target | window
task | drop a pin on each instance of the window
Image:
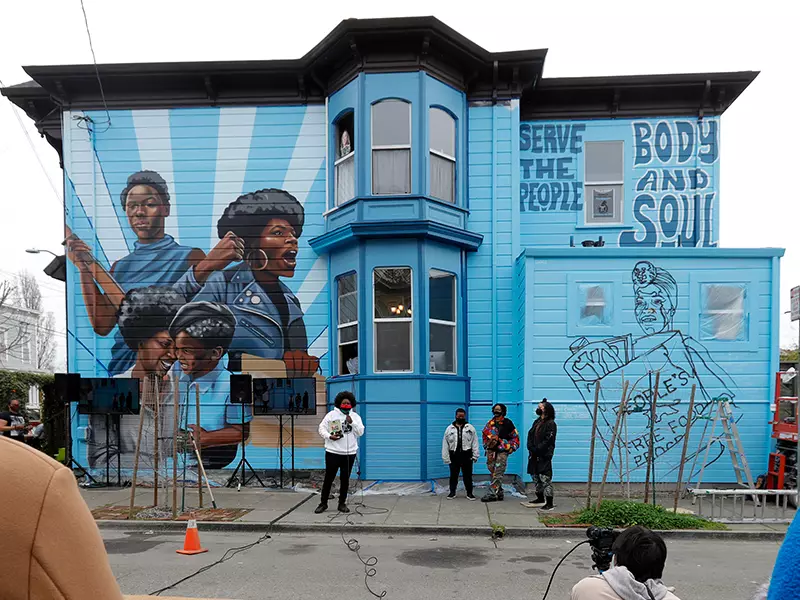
(3, 346)
(391, 147)
(723, 317)
(603, 183)
(26, 349)
(348, 324)
(595, 305)
(442, 293)
(345, 163)
(393, 319)
(442, 131)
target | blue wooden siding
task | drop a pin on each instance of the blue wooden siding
(742, 370)
(491, 323)
(671, 181)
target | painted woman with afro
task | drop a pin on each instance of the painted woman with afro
(264, 228)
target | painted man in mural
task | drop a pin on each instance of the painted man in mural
(157, 259)
(202, 332)
(144, 319)
(265, 225)
(681, 360)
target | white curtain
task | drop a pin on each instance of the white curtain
(443, 179)
(345, 180)
(391, 171)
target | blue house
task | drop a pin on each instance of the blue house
(455, 230)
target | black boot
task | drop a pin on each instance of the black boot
(343, 508)
(548, 506)
(321, 508)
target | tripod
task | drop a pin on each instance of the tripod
(69, 459)
(244, 464)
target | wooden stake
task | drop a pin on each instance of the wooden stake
(623, 405)
(156, 434)
(197, 446)
(136, 453)
(591, 445)
(175, 397)
(689, 415)
(651, 442)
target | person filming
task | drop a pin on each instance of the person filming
(639, 558)
(340, 429)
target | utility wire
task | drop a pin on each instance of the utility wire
(35, 152)
(96, 69)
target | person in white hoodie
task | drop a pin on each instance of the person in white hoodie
(460, 449)
(639, 559)
(340, 429)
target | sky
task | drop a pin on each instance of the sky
(758, 135)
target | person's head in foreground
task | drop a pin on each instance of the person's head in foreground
(639, 559)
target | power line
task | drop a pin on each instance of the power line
(96, 70)
(35, 151)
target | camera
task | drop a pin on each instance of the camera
(601, 540)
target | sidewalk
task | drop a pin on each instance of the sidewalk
(421, 514)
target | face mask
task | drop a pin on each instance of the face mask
(539, 412)
(461, 420)
(345, 409)
(497, 415)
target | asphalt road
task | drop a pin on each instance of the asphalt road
(317, 566)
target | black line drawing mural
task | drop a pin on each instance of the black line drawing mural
(682, 361)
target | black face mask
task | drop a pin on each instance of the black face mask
(461, 420)
(539, 412)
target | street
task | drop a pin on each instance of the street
(412, 567)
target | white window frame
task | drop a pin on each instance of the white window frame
(343, 159)
(453, 324)
(373, 147)
(588, 185)
(376, 320)
(445, 156)
(340, 326)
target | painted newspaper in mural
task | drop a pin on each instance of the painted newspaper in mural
(681, 360)
(187, 314)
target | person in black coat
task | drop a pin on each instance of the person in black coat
(541, 446)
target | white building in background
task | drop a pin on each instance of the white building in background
(18, 345)
(18, 341)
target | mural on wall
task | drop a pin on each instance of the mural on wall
(549, 156)
(190, 312)
(673, 198)
(669, 175)
(681, 360)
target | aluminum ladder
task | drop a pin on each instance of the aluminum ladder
(732, 440)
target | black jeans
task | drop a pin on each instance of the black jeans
(461, 462)
(343, 463)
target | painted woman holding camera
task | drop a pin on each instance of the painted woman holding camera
(541, 446)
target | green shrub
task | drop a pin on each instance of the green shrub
(614, 513)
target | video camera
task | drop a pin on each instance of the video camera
(601, 540)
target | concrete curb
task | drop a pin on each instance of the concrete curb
(336, 528)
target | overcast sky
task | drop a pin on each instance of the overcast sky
(759, 202)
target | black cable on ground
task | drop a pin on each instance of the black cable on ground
(547, 591)
(231, 552)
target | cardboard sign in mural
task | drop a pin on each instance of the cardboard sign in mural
(188, 238)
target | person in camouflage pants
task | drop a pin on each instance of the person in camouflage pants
(500, 439)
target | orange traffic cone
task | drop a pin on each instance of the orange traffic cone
(191, 543)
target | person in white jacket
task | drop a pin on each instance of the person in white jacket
(340, 429)
(460, 449)
(639, 559)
